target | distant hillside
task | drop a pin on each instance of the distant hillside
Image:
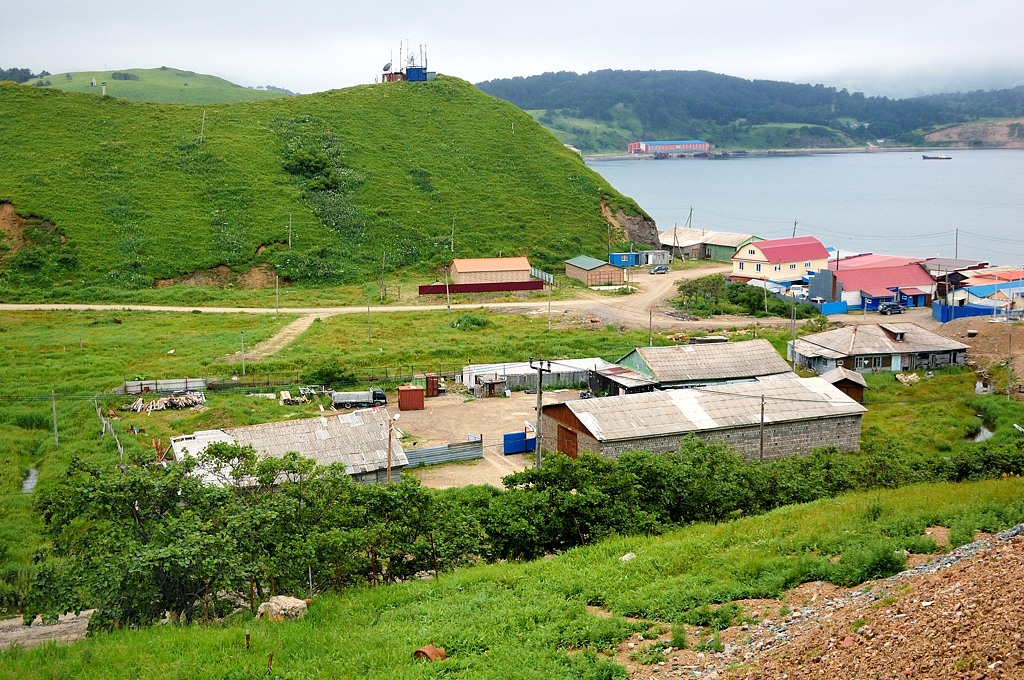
(108, 193)
(164, 85)
(603, 111)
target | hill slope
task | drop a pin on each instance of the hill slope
(164, 85)
(120, 194)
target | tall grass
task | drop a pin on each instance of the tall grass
(530, 620)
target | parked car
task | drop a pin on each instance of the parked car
(660, 269)
(891, 308)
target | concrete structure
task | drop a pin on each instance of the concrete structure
(700, 244)
(358, 439)
(762, 420)
(873, 348)
(490, 270)
(784, 260)
(706, 364)
(594, 272)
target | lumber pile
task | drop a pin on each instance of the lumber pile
(175, 401)
(908, 379)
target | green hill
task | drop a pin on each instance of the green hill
(107, 195)
(164, 85)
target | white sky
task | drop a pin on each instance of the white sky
(895, 47)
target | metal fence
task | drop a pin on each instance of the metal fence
(445, 454)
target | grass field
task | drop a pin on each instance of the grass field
(531, 620)
(163, 85)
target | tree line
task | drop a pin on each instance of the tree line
(720, 108)
(209, 535)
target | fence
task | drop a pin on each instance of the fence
(944, 313)
(445, 454)
(107, 427)
(164, 386)
(441, 289)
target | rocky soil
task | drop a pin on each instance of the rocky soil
(956, 616)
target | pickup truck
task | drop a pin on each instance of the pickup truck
(372, 397)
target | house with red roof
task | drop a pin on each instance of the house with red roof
(866, 287)
(782, 260)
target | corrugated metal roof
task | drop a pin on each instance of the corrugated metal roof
(685, 237)
(626, 377)
(714, 361)
(881, 278)
(491, 264)
(585, 262)
(866, 339)
(359, 439)
(792, 249)
(672, 412)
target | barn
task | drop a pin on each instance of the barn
(774, 418)
(594, 272)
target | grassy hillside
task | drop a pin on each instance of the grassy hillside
(159, 85)
(127, 196)
(532, 620)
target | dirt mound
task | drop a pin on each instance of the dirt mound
(1003, 133)
(956, 615)
(261, 276)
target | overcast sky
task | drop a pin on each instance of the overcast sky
(893, 47)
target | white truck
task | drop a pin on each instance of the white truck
(372, 397)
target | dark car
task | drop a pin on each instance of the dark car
(660, 269)
(890, 308)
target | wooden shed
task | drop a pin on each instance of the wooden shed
(594, 272)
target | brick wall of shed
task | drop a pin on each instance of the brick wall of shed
(490, 277)
(781, 440)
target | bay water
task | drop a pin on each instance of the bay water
(894, 202)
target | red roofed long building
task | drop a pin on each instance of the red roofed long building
(783, 260)
(909, 284)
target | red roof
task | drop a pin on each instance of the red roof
(792, 249)
(491, 264)
(870, 260)
(878, 278)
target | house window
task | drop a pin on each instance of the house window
(793, 266)
(860, 362)
(876, 362)
(757, 267)
(751, 252)
(741, 266)
(778, 267)
(807, 265)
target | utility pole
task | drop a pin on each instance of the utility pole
(792, 323)
(543, 366)
(453, 234)
(447, 292)
(289, 231)
(794, 228)
(550, 287)
(650, 328)
(761, 451)
(277, 295)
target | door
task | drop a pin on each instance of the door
(567, 442)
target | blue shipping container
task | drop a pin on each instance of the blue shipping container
(416, 73)
(624, 259)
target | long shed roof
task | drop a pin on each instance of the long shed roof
(713, 361)
(684, 237)
(359, 439)
(868, 339)
(672, 412)
(491, 264)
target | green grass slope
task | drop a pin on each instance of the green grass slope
(122, 195)
(163, 85)
(531, 620)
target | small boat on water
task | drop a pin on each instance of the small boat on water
(936, 157)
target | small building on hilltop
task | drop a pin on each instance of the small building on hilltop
(358, 439)
(762, 420)
(706, 364)
(594, 272)
(874, 348)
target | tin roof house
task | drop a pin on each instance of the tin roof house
(358, 439)
(762, 420)
(705, 364)
(872, 348)
(783, 260)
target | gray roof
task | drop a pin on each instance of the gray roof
(868, 339)
(626, 377)
(683, 237)
(840, 373)
(713, 361)
(586, 263)
(697, 409)
(358, 439)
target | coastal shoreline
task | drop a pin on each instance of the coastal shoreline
(748, 153)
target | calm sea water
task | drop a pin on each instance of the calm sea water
(971, 206)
